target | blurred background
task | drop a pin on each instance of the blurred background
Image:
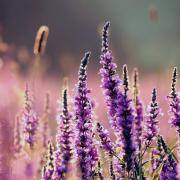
(144, 34)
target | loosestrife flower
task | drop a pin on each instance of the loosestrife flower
(169, 169)
(155, 162)
(117, 102)
(30, 120)
(49, 166)
(157, 155)
(85, 147)
(139, 115)
(64, 150)
(151, 123)
(110, 80)
(174, 99)
(125, 121)
(175, 102)
(106, 142)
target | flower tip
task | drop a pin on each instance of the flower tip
(47, 100)
(65, 98)
(87, 54)
(175, 74)
(105, 37)
(125, 68)
(85, 59)
(27, 86)
(106, 25)
(65, 83)
(98, 125)
(175, 69)
(125, 77)
(27, 91)
(154, 95)
(135, 70)
(135, 77)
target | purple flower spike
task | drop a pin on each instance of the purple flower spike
(105, 43)
(64, 150)
(174, 99)
(119, 106)
(85, 147)
(125, 121)
(151, 123)
(49, 166)
(110, 80)
(157, 155)
(103, 134)
(30, 120)
(169, 170)
(155, 162)
(139, 115)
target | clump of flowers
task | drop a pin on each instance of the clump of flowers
(96, 154)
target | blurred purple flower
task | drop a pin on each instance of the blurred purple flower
(139, 115)
(29, 173)
(17, 137)
(30, 120)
